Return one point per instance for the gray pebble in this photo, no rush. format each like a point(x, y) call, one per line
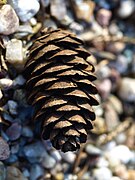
point(68, 156)
point(12, 106)
point(27, 132)
point(9, 21)
point(48, 161)
point(34, 152)
point(14, 52)
point(36, 172)
point(14, 173)
point(2, 171)
point(56, 155)
point(19, 80)
point(14, 131)
point(4, 149)
point(25, 9)
point(92, 150)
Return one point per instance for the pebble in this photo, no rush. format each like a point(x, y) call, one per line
point(36, 172)
point(4, 149)
point(9, 22)
point(12, 106)
point(68, 157)
point(58, 11)
point(118, 151)
point(14, 173)
point(34, 152)
point(92, 150)
point(84, 10)
point(116, 103)
point(27, 132)
point(121, 171)
point(102, 162)
point(103, 17)
point(102, 173)
point(25, 10)
point(14, 131)
point(48, 161)
point(6, 83)
point(19, 80)
point(2, 171)
point(126, 89)
point(1, 94)
point(126, 8)
point(56, 155)
point(14, 52)
point(104, 88)
point(115, 47)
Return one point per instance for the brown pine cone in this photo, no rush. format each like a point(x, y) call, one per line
point(59, 86)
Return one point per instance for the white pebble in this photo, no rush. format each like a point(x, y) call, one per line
point(126, 8)
point(14, 52)
point(127, 89)
point(102, 174)
point(5, 83)
point(1, 95)
point(9, 21)
point(25, 9)
point(122, 153)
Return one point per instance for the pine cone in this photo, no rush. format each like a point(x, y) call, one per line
point(59, 86)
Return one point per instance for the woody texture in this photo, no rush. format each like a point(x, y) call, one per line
point(59, 86)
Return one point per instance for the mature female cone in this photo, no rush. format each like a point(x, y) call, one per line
point(59, 86)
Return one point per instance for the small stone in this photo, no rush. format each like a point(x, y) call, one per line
point(36, 172)
point(14, 52)
point(13, 158)
point(84, 10)
point(126, 8)
point(19, 80)
point(103, 72)
point(104, 88)
point(92, 150)
point(115, 47)
point(102, 173)
point(9, 21)
point(131, 174)
point(34, 152)
point(102, 162)
point(48, 161)
point(126, 89)
point(27, 132)
point(14, 173)
point(116, 103)
point(68, 157)
point(118, 151)
point(2, 2)
point(4, 149)
point(25, 10)
point(14, 131)
point(56, 155)
point(58, 9)
point(121, 171)
point(1, 94)
point(12, 106)
point(104, 16)
point(2, 171)
point(6, 83)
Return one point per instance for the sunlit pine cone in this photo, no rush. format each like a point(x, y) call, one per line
point(59, 85)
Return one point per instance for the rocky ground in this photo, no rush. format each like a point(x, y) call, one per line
point(108, 30)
